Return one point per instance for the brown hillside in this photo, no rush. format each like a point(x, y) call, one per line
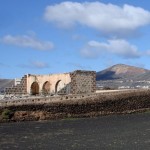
point(121, 71)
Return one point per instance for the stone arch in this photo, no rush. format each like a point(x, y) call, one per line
point(56, 86)
point(59, 87)
point(46, 88)
point(35, 88)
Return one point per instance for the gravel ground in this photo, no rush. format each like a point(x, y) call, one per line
point(125, 132)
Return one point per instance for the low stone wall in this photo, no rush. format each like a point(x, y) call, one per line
point(43, 100)
point(78, 105)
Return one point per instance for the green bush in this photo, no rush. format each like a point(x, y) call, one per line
point(7, 114)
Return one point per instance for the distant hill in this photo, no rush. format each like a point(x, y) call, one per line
point(6, 83)
point(121, 71)
point(145, 76)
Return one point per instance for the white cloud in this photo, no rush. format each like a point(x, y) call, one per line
point(107, 18)
point(117, 47)
point(35, 65)
point(27, 41)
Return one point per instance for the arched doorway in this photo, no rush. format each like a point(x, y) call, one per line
point(59, 87)
point(46, 88)
point(35, 88)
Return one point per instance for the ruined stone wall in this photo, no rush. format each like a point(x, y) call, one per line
point(45, 100)
point(19, 88)
point(56, 82)
point(77, 82)
point(83, 82)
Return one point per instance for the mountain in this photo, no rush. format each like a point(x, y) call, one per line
point(6, 83)
point(122, 71)
point(145, 76)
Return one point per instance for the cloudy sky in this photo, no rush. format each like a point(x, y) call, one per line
point(44, 37)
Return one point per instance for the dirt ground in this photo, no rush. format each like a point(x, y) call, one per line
point(130, 131)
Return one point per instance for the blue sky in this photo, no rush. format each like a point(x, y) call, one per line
point(43, 37)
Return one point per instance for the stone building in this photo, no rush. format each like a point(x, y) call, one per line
point(77, 82)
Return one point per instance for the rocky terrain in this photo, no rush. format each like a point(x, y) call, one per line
point(144, 76)
point(101, 104)
point(121, 71)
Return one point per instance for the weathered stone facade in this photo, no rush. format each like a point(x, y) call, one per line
point(83, 82)
point(77, 82)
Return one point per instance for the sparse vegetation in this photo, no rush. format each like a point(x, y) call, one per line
point(108, 88)
point(7, 114)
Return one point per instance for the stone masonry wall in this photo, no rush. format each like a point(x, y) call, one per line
point(83, 82)
point(19, 88)
point(77, 82)
point(57, 82)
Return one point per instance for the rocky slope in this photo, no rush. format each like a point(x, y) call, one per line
point(121, 71)
point(145, 76)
